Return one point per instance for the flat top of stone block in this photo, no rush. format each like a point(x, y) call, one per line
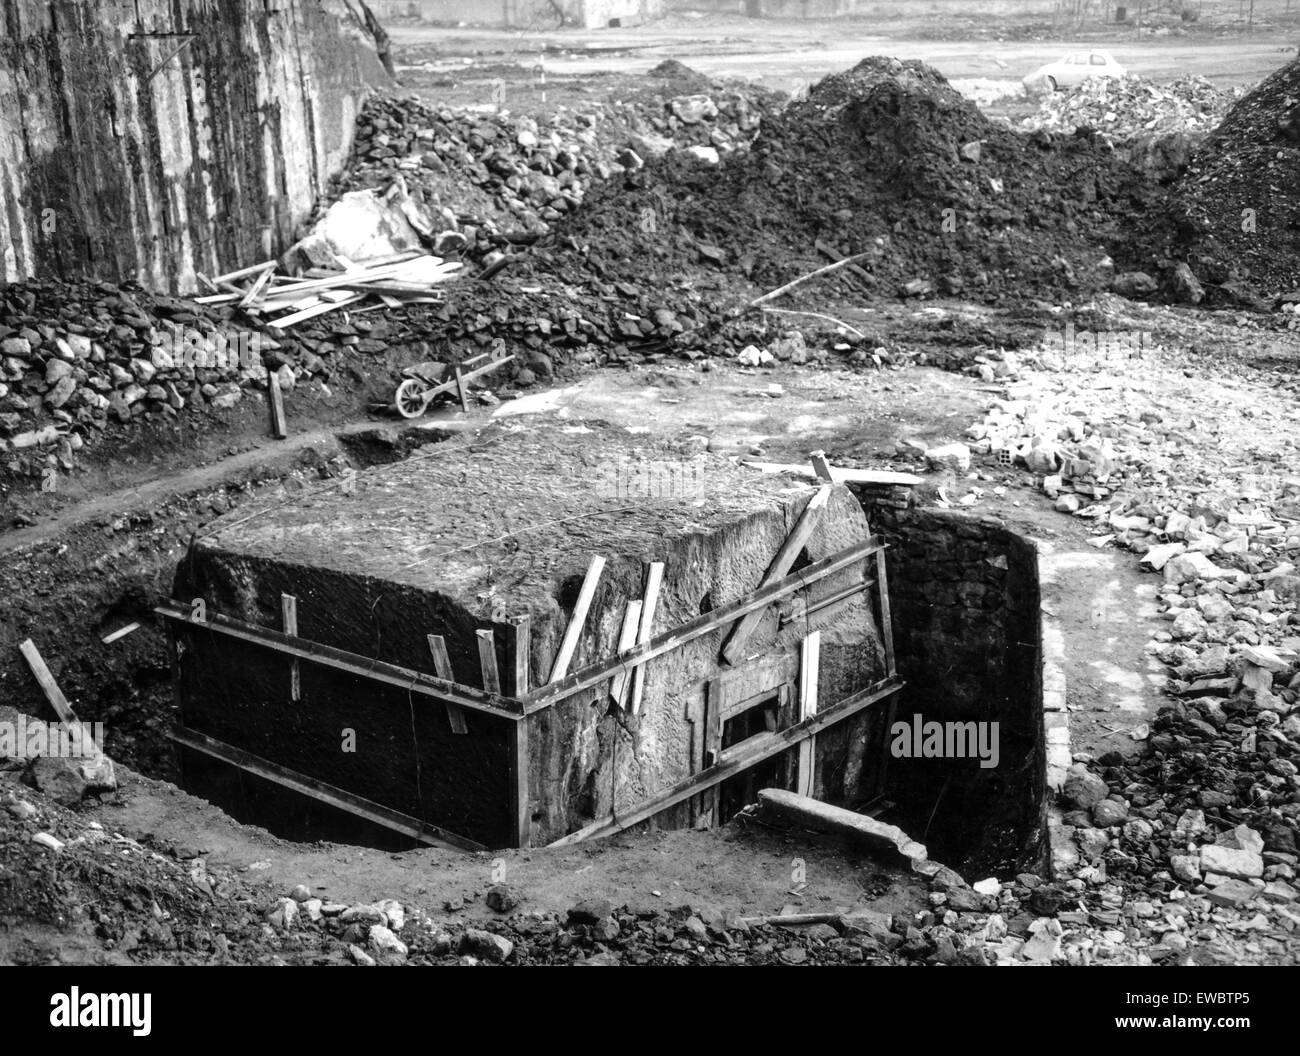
point(508, 510)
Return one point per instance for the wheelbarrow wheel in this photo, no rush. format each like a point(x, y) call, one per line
point(409, 401)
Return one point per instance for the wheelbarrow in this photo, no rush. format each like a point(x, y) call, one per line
point(425, 382)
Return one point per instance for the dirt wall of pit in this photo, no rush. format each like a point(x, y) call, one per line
point(152, 140)
point(966, 615)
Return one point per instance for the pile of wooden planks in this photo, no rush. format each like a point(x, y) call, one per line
point(283, 301)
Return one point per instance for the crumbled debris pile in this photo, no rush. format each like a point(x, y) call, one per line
point(497, 179)
point(886, 159)
point(1236, 208)
point(1127, 107)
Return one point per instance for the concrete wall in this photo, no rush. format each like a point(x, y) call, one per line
point(520, 14)
point(966, 616)
point(152, 139)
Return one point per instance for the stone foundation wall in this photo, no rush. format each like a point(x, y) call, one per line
point(966, 614)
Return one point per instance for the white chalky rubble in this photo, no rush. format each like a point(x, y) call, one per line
point(1196, 473)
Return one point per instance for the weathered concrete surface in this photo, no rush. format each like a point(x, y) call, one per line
point(499, 525)
point(150, 140)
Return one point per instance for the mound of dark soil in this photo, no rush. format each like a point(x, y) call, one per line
point(1239, 201)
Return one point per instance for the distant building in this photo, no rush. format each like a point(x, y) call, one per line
point(522, 14)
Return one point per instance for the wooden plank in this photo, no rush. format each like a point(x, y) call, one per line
point(121, 632)
point(353, 664)
point(602, 671)
point(626, 639)
point(54, 694)
point(809, 669)
point(256, 289)
point(886, 620)
point(460, 387)
point(714, 706)
point(279, 428)
point(442, 666)
point(523, 646)
point(46, 680)
point(734, 648)
point(521, 814)
point(287, 321)
point(733, 764)
point(573, 632)
point(654, 580)
point(820, 466)
point(839, 474)
point(487, 659)
point(331, 795)
point(289, 617)
point(252, 269)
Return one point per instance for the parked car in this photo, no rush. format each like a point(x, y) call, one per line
point(1073, 69)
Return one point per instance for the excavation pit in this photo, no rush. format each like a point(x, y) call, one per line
point(407, 653)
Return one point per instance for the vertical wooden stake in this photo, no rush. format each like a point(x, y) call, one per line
point(809, 662)
point(523, 644)
point(279, 428)
point(654, 579)
point(521, 815)
point(442, 668)
point(487, 659)
point(460, 388)
point(886, 623)
point(820, 466)
point(289, 616)
point(573, 632)
point(712, 749)
point(626, 639)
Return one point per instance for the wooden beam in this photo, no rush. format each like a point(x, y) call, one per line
point(339, 798)
point(546, 696)
point(626, 639)
point(654, 580)
point(279, 428)
point(352, 664)
point(487, 659)
point(886, 620)
point(809, 669)
point(734, 649)
point(820, 466)
point(289, 616)
point(732, 764)
point(442, 667)
point(521, 814)
point(460, 388)
point(574, 631)
point(523, 646)
point(252, 269)
point(839, 474)
point(55, 695)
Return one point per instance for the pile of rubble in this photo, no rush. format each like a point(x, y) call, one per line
point(886, 160)
point(1235, 211)
point(501, 180)
point(1127, 107)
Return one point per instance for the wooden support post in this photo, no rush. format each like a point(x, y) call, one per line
point(654, 580)
point(289, 616)
point(460, 388)
point(442, 668)
point(714, 703)
point(279, 428)
point(56, 698)
point(626, 639)
point(809, 663)
point(521, 815)
point(487, 658)
point(886, 621)
point(734, 649)
point(820, 466)
point(523, 645)
point(573, 632)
